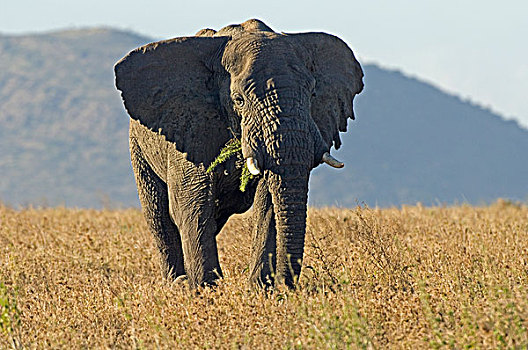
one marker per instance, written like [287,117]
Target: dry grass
[409,278]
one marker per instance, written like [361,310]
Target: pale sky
[475,49]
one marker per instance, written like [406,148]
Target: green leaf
[231,148]
[244,178]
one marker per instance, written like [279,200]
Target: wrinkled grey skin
[286,96]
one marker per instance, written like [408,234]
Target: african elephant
[286,97]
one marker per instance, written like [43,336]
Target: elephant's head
[286,96]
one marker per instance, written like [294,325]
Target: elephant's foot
[210,281]
[207,279]
[259,283]
[169,271]
[261,276]
[211,278]
[180,280]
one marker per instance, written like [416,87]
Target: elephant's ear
[338,76]
[168,87]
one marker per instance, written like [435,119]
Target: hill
[63,135]
[412,143]
[64,131]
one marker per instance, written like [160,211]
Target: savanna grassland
[415,277]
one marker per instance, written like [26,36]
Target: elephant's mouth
[327,158]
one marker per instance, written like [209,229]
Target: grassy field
[415,277]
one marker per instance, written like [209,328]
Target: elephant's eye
[238,100]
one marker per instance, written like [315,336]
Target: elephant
[285,97]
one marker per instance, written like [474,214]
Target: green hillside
[63,138]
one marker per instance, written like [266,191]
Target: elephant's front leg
[192,208]
[155,203]
[263,260]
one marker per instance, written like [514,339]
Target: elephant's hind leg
[155,203]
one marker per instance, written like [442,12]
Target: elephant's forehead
[249,42]
[249,26]
[246,50]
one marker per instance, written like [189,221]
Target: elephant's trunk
[285,149]
[292,153]
[289,191]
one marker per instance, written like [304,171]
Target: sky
[475,49]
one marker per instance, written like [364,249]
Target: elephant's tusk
[253,166]
[328,159]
